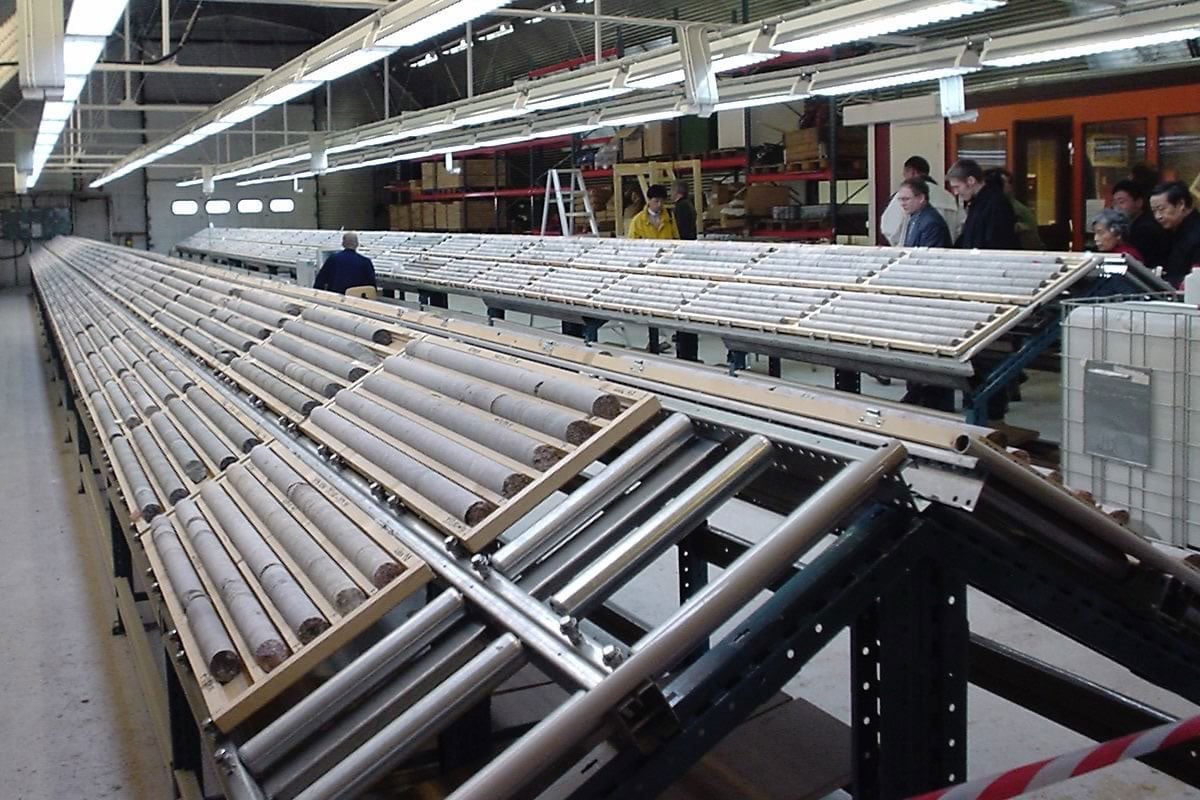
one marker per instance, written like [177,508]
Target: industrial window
[1179,149]
[990,149]
[250,205]
[185,208]
[217,207]
[283,205]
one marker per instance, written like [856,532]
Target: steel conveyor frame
[903,551]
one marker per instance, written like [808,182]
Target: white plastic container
[1120,359]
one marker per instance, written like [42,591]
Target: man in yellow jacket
[655,221]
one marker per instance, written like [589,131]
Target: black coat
[343,270]
[1150,240]
[991,222]
[685,218]
[1185,249]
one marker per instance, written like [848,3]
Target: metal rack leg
[687,346]
[846,380]
[185,736]
[775,366]
[909,681]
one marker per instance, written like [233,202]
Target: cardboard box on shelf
[812,144]
[429,170]
[428,216]
[658,139]
[400,217]
[481,215]
[631,148]
[760,198]
[473,173]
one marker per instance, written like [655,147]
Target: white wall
[167,229]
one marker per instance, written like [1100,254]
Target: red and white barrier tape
[1053,770]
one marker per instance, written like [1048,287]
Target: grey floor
[71,721]
[73,726]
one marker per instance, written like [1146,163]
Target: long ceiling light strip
[402,24]
[840,23]
[880,73]
[87,30]
[1109,34]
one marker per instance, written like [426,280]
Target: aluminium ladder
[565,199]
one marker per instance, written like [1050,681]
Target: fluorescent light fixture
[204,131]
[94,17]
[499,32]
[350,62]
[1107,34]
[764,91]
[73,87]
[286,93]
[590,85]
[880,73]
[80,53]
[829,24]
[424,61]
[732,52]
[504,106]
[276,179]
[424,20]
[57,110]
[458,47]
[619,117]
[240,115]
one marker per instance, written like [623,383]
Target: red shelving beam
[775,177]
[725,162]
[475,194]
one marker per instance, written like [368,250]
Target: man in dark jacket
[343,270]
[685,211]
[991,223]
[1172,206]
[1145,234]
[925,227]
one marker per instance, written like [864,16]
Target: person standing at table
[991,223]
[1172,206]
[685,210]
[346,269]
[924,226]
[655,221]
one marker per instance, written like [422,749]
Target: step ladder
[566,200]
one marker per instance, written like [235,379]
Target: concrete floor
[74,727]
[71,719]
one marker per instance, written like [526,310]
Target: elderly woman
[1110,227]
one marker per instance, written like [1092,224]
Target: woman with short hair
[1110,229]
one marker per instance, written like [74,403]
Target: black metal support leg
[575,329]
[846,380]
[434,299]
[736,360]
[494,314]
[775,366]
[652,340]
[909,682]
[687,346]
[185,736]
[468,739]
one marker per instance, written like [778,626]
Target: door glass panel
[990,149]
[1111,150]
[1179,149]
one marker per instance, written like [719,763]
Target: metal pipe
[430,714]
[597,44]
[469,40]
[346,687]
[166,27]
[649,451]
[677,517]
[1087,518]
[552,738]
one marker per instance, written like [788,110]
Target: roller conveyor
[324,540]
[1020,285]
